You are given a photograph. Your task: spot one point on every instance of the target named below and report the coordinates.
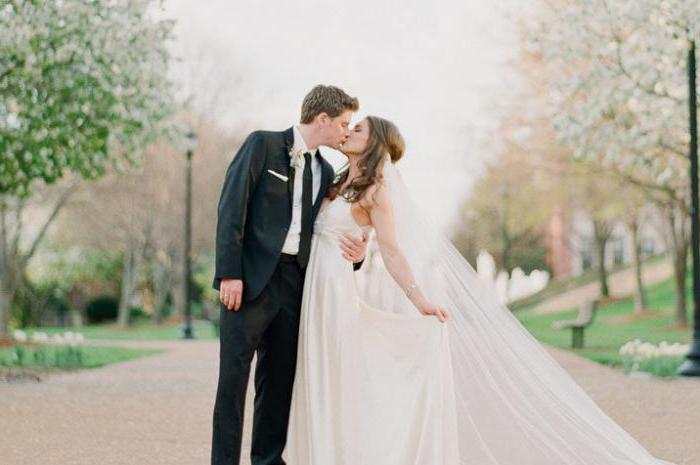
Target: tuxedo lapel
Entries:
(288, 136)
(290, 187)
(326, 176)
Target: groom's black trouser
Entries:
(268, 325)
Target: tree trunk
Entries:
(601, 233)
(506, 268)
(680, 266)
(130, 273)
(160, 292)
(8, 288)
(640, 301)
(678, 229)
(602, 270)
(163, 281)
(125, 293)
(5, 301)
(5, 297)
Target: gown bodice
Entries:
(335, 218)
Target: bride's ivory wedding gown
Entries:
(371, 387)
(380, 387)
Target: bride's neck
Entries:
(353, 170)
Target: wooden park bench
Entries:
(586, 314)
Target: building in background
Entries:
(570, 242)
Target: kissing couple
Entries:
(412, 361)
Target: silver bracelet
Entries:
(409, 290)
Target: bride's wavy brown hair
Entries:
(384, 138)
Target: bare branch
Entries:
(57, 207)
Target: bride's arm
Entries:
(382, 217)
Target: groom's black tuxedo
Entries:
(255, 209)
(254, 216)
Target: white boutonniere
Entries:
(296, 158)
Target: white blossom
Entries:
(621, 94)
(85, 80)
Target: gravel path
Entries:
(157, 410)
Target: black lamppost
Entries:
(691, 367)
(187, 331)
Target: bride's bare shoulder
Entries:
(376, 195)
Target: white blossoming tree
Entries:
(619, 79)
(83, 88)
(82, 85)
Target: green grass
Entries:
(93, 357)
(607, 334)
(144, 330)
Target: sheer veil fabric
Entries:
(514, 404)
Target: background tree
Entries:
(19, 241)
(598, 195)
(83, 86)
(139, 214)
(510, 213)
(617, 70)
(635, 217)
(512, 201)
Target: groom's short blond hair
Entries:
(326, 99)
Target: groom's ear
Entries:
(322, 118)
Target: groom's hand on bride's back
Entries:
(354, 249)
(231, 293)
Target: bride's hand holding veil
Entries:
(380, 211)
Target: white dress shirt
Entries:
(291, 243)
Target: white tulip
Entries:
(640, 351)
(19, 335)
(40, 337)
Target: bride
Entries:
(389, 377)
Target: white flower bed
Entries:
(660, 360)
(646, 350)
(68, 338)
(59, 350)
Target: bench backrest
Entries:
(587, 311)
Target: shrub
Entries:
(102, 308)
(136, 313)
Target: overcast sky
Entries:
(434, 68)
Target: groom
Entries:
(270, 198)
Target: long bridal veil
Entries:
(515, 404)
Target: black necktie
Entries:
(306, 207)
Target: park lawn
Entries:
(143, 330)
(93, 357)
(614, 325)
